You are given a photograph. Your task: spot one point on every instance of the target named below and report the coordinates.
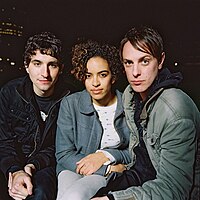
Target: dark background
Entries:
(178, 21)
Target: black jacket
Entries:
(22, 137)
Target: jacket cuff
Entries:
(13, 169)
(35, 163)
(102, 171)
(110, 197)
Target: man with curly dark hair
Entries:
(92, 135)
(29, 107)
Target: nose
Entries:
(136, 70)
(95, 82)
(45, 71)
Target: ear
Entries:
(113, 80)
(26, 67)
(161, 61)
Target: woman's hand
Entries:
(91, 163)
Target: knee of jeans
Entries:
(75, 196)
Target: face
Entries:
(99, 81)
(43, 71)
(141, 68)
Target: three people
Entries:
(92, 135)
(29, 108)
(163, 120)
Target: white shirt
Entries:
(110, 137)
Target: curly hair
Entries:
(83, 51)
(46, 43)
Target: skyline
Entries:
(178, 22)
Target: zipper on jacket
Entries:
(46, 128)
(35, 142)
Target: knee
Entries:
(73, 195)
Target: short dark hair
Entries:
(47, 43)
(83, 51)
(145, 39)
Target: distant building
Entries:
(11, 41)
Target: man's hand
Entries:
(100, 198)
(91, 163)
(19, 185)
(117, 168)
(29, 169)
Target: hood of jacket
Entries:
(165, 79)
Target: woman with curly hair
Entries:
(92, 135)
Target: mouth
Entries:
(97, 91)
(44, 81)
(139, 82)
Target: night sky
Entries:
(178, 21)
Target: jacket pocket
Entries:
(19, 115)
(22, 125)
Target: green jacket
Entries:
(170, 123)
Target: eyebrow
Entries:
(99, 72)
(147, 56)
(50, 62)
(128, 60)
(143, 57)
(35, 60)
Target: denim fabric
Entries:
(170, 122)
(79, 131)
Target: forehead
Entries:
(129, 51)
(97, 64)
(42, 57)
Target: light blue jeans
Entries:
(73, 186)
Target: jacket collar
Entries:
(128, 102)
(165, 79)
(85, 105)
(25, 89)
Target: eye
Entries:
(145, 61)
(53, 65)
(87, 76)
(127, 63)
(36, 64)
(103, 75)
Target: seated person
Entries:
(164, 123)
(29, 107)
(92, 135)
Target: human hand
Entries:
(117, 168)
(19, 185)
(29, 169)
(91, 163)
(100, 198)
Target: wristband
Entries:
(108, 170)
